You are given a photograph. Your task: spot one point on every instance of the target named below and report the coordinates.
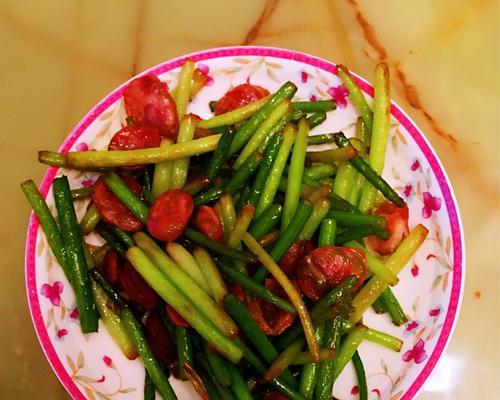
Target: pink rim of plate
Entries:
(418, 137)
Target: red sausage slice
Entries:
(169, 215)
(111, 267)
(397, 225)
(236, 289)
(159, 339)
(111, 209)
(175, 317)
(272, 320)
(327, 266)
(136, 136)
(147, 100)
(292, 257)
(239, 96)
(132, 283)
(207, 222)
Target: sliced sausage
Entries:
(207, 222)
(169, 215)
(110, 207)
(239, 96)
(132, 283)
(397, 226)
(147, 100)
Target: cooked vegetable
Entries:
(371, 176)
(252, 331)
(349, 219)
(319, 211)
(360, 374)
(265, 166)
(234, 116)
(344, 178)
(213, 277)
(304, 357)
(74, 255)
(217, 247)
(185, 284)
(357, 233)
(395, 263)
(284, 360)
(149, 388)
(121, 235)
(182, 304)
(233, 185)
(48, 224)
(180, 167)
(102, 159)
(316, 119)
(358, 179)
(113, 322)
(241, 175)
(320, 139)
(327, 232)
(326, 370)
(218, 367)
(357, 96)
(292, 194)
(383, 339)
(376, 266)
(238, 386)
(195, 300)
(290, 290)
(266, 222)
(320, 171)
(348, 348)
(90, 219)
(271, 186)
(111, 239)
(391, 304)
(262, 132)
(255, 288)
(249, 127)
(260, 367)
(110, 291)
(152, 365)
(335, 295)
(240, 227)
(81, 193)
(220, 154)
(314, 106)
(380, 133)
(286, 238)
(183, 89)
(309, 374)
(163, 173)
(186, 261)
(227, 213)
(184, 346)
(122, 191)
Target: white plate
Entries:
(91, 366)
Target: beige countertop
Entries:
(59, 58)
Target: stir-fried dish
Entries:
(235, 254)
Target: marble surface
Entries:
(59, 58)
